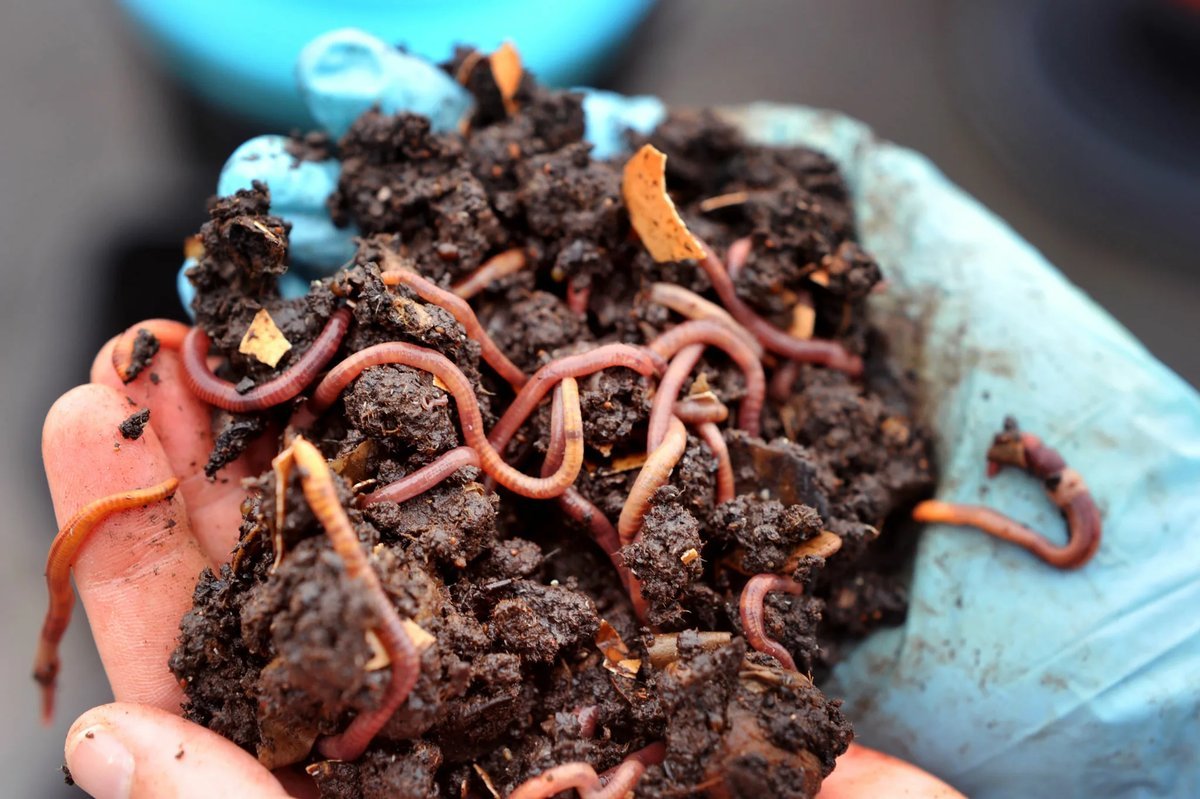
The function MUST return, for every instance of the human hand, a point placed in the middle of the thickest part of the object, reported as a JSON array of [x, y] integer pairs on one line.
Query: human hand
[[1097, 680], [136, 576]]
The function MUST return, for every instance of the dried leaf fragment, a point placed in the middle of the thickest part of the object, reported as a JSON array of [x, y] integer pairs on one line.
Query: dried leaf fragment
[[487, 780], [507, 71], [616, 653], [193, 247], [263, 340], [651, 211], [804, 318]]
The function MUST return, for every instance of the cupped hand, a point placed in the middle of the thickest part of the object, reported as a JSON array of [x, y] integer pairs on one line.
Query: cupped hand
[[136, 575]]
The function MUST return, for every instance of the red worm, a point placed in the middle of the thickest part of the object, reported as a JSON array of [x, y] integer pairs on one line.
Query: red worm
[[751, 610], [63, 552], [711, 434], [654, 475], [577, 507], [578, 297], [317, 481], [706, 331], [818, 351], [470, 420], [506, 263], [693, 306], [461, 311], [167, 332], [615, 783], [424, 478], [783, 380], [663, 406], [696, 410], [223, 394], [1064, 486], [580, 365]]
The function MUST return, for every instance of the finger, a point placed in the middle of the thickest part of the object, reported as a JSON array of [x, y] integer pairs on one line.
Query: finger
[[127, 751], [864, 773], [184, 426], [136, 573]]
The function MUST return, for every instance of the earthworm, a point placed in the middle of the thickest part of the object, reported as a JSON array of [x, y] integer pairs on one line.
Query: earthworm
[[574, 504], [578, 297], [63, 552], [690, 304], [424, 478], [750, 608], [822, 545], [707, 331], [588, 716], [653, 476], [661, 409], [469, 416], [167, 332], [317, 482], [579, 508], [580, 365], [783, 380], [711, 435], [223, 394], [1064, 486], [615, 783], [699, 410], [461, 311], [818, 351], [501, 265]]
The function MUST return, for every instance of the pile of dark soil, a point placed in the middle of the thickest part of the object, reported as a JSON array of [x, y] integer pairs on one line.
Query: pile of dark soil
[[532, 654]]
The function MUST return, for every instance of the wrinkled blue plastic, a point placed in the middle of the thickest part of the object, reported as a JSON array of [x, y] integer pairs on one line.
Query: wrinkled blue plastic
[[1010, 678], [241, 55]]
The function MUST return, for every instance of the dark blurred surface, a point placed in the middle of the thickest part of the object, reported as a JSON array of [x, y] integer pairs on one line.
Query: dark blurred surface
[[105, 168]]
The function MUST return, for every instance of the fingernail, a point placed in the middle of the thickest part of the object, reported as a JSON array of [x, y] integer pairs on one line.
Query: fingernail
[[100, 764]]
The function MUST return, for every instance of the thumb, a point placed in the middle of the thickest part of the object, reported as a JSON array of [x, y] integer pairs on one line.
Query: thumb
[[129, 751]]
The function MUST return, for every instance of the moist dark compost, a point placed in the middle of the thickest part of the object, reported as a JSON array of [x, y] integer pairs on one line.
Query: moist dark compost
[[556, 507]]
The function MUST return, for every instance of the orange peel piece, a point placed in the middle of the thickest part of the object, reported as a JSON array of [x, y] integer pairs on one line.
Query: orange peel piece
[[507, 72], [264, 341], [651, 211]]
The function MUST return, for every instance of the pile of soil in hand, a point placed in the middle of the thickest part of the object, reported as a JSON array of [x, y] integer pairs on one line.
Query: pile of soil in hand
[[531, 652]]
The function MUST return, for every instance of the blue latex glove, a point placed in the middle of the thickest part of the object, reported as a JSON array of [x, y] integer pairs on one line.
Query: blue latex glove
[[1009, 678]]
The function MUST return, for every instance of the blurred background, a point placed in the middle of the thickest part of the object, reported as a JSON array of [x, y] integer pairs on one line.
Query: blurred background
[[1075, 121]]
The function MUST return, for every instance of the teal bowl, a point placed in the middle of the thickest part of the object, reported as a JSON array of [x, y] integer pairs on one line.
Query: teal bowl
[[241, 56]]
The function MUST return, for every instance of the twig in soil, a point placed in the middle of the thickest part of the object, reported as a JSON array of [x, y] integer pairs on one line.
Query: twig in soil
[[818, 351], [424, 478], [155, 334], [751, 610], [664, 648], [470, 419], [223, 394], [498, 266], [707, 331], [63, 552], [317, 482], [691, 305], [1064, 486], [465, 315], [655, 473]]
